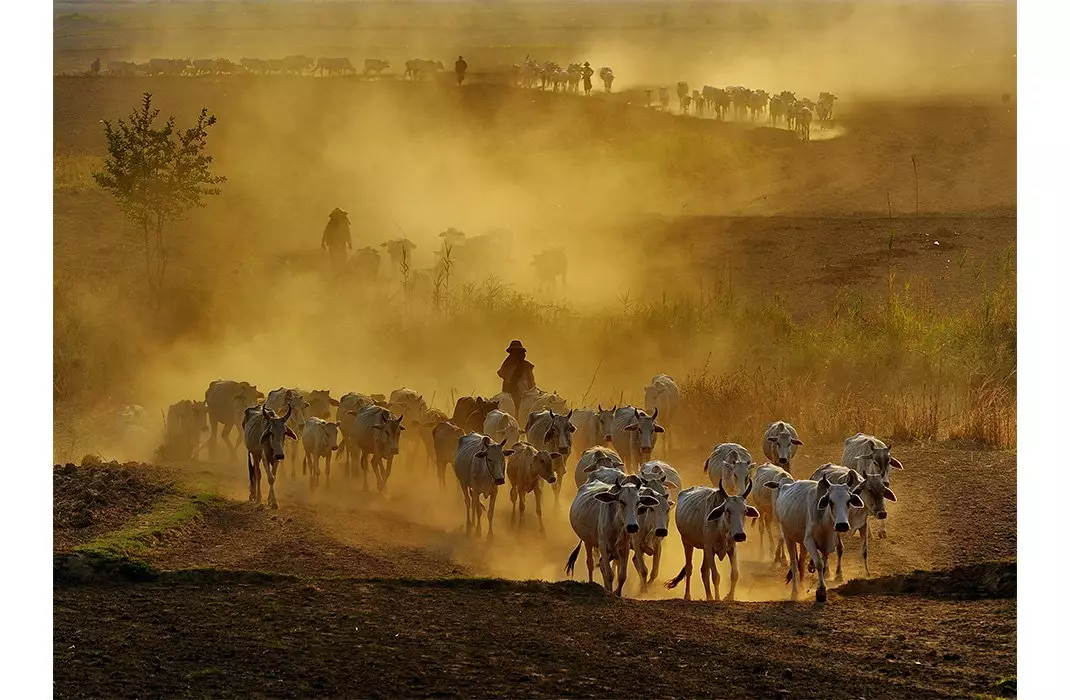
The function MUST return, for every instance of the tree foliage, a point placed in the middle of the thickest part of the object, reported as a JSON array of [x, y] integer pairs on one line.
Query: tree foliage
[[157, 175]]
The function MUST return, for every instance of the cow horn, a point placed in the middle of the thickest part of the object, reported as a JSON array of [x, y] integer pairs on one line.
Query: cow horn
[[720, 484], [655, 416], [599, 408], [746, 491], [289, 410]]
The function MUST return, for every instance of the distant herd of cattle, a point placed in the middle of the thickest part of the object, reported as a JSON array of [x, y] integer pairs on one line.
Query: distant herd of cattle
[[290, 65], [624, 495]]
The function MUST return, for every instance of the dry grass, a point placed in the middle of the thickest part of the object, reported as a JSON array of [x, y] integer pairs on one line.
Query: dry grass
[[74, 173]]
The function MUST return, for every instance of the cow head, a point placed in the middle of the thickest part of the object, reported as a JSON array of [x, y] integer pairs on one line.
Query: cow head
[[559, 433], [544, 465], [626, 494], [319, 403], [199, 415], [603, 423], [881, 458], [874, 492], [735, 470], [838, 499], [731, 511], [783, 448], [654, 477], [493, 454], [659, 513], [646, 430], [387, 434], [332, 435], [274, 434]]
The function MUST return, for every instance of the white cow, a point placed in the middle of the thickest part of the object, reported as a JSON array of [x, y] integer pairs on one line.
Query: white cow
[[506, 404], [320, 440], [874, 492], [527, 468], [713, 521], [535, 400], [594, 459], [278, 400], [780, 443], [373, 434], [605, 516], [265, 435], [593, 427], [811, 515], [729, 463], [480, 469], [653, 528], [655, 469], [870, 455], [501, 426], [552, 432], [634, 435], [762, 498], [412, 404], [662, 395]]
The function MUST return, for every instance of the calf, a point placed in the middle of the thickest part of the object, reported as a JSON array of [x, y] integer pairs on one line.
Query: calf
[[730, 464], [528, 467], [811, 515], [480, 469], [605, 516], [634, 435], [874, 492], [712, 520], [552, 432], [780, 443], [265, 434], [320, 440]]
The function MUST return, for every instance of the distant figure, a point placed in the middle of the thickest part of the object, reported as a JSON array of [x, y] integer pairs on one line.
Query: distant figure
[[516, 372], [460, 67], [336, 238], [94, 67], [588, 73], [663, 98]]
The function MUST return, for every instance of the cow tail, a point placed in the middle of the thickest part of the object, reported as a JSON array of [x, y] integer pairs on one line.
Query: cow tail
[[570, 567], [675, 581]]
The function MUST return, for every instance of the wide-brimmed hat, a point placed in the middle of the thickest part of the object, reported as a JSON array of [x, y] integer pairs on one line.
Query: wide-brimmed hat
[[339, 212], [516, 346]]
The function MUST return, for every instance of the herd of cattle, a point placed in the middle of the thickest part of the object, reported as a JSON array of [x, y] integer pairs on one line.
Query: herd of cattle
[[623, 494], [549, 75], [746, 104], [289, 65]]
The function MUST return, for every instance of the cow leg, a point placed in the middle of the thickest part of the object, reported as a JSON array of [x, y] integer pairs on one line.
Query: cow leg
[[386, 470], [212, 446], [252, 477], [707, 565], [639, 561], [442, 474], [538, 509], [839, 558], [330, 455], [226, 439], [590, 563], [734, 575], [655, 565], [467, 511], [794, 568], [688, 552], [622, 573], [607, 568], [556, 486], [818, 560], [514, 496], [490, 513], [258, 477], [761, 537], [477, 506], [864, 532], [272, 472]]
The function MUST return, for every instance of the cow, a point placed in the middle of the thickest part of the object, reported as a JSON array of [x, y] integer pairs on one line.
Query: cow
[[224, 66], [122, 68], [445, 435], [634, 434], [413, 405], [552, 432], [254, 65], [265, 434], [185, 422], [780, 443], [776, 109], [470, 413], [813, 514], [592, 427], [594, 459], [480, 468], [874, 492], [277, 400], [416, 67], [527, 468], [550, 265], [400, 252], [202, 66], [227, 401], [869, 455], [332, 66], [731, 463], [375, 65], [605, 73], [713, 521], [373, 435], [662, 471], [299, 65], [320, 440], [604, 517], [762, 499], [168, 66], [505, 403], [653, 528], [274, 65], [535, 400], [663, 395], [501, 426], [824, 106], [364, 264], [757, 102], [803, 117], [683, 91]]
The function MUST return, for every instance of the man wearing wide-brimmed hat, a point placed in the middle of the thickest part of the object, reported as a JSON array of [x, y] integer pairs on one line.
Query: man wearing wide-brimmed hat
[[336, 238], [516, 372]]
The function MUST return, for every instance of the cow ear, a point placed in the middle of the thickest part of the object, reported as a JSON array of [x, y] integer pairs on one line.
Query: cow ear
[[854, 501], [796, 441], [888, 495], [751, 512], [716, 513], [895, 463], [605, 497], [507, 453], [823, 502], [290, 433], [555, 455], [632, 427], [648, 501], [659, 429]]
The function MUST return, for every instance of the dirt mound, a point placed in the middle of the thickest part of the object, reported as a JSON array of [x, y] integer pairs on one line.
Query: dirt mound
[[998, 579], [96, 497]]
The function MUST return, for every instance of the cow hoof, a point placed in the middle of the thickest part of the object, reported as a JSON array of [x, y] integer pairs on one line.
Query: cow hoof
[[821, 595], [838, 579], [687, 596], [882, 535], [728, 598]]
